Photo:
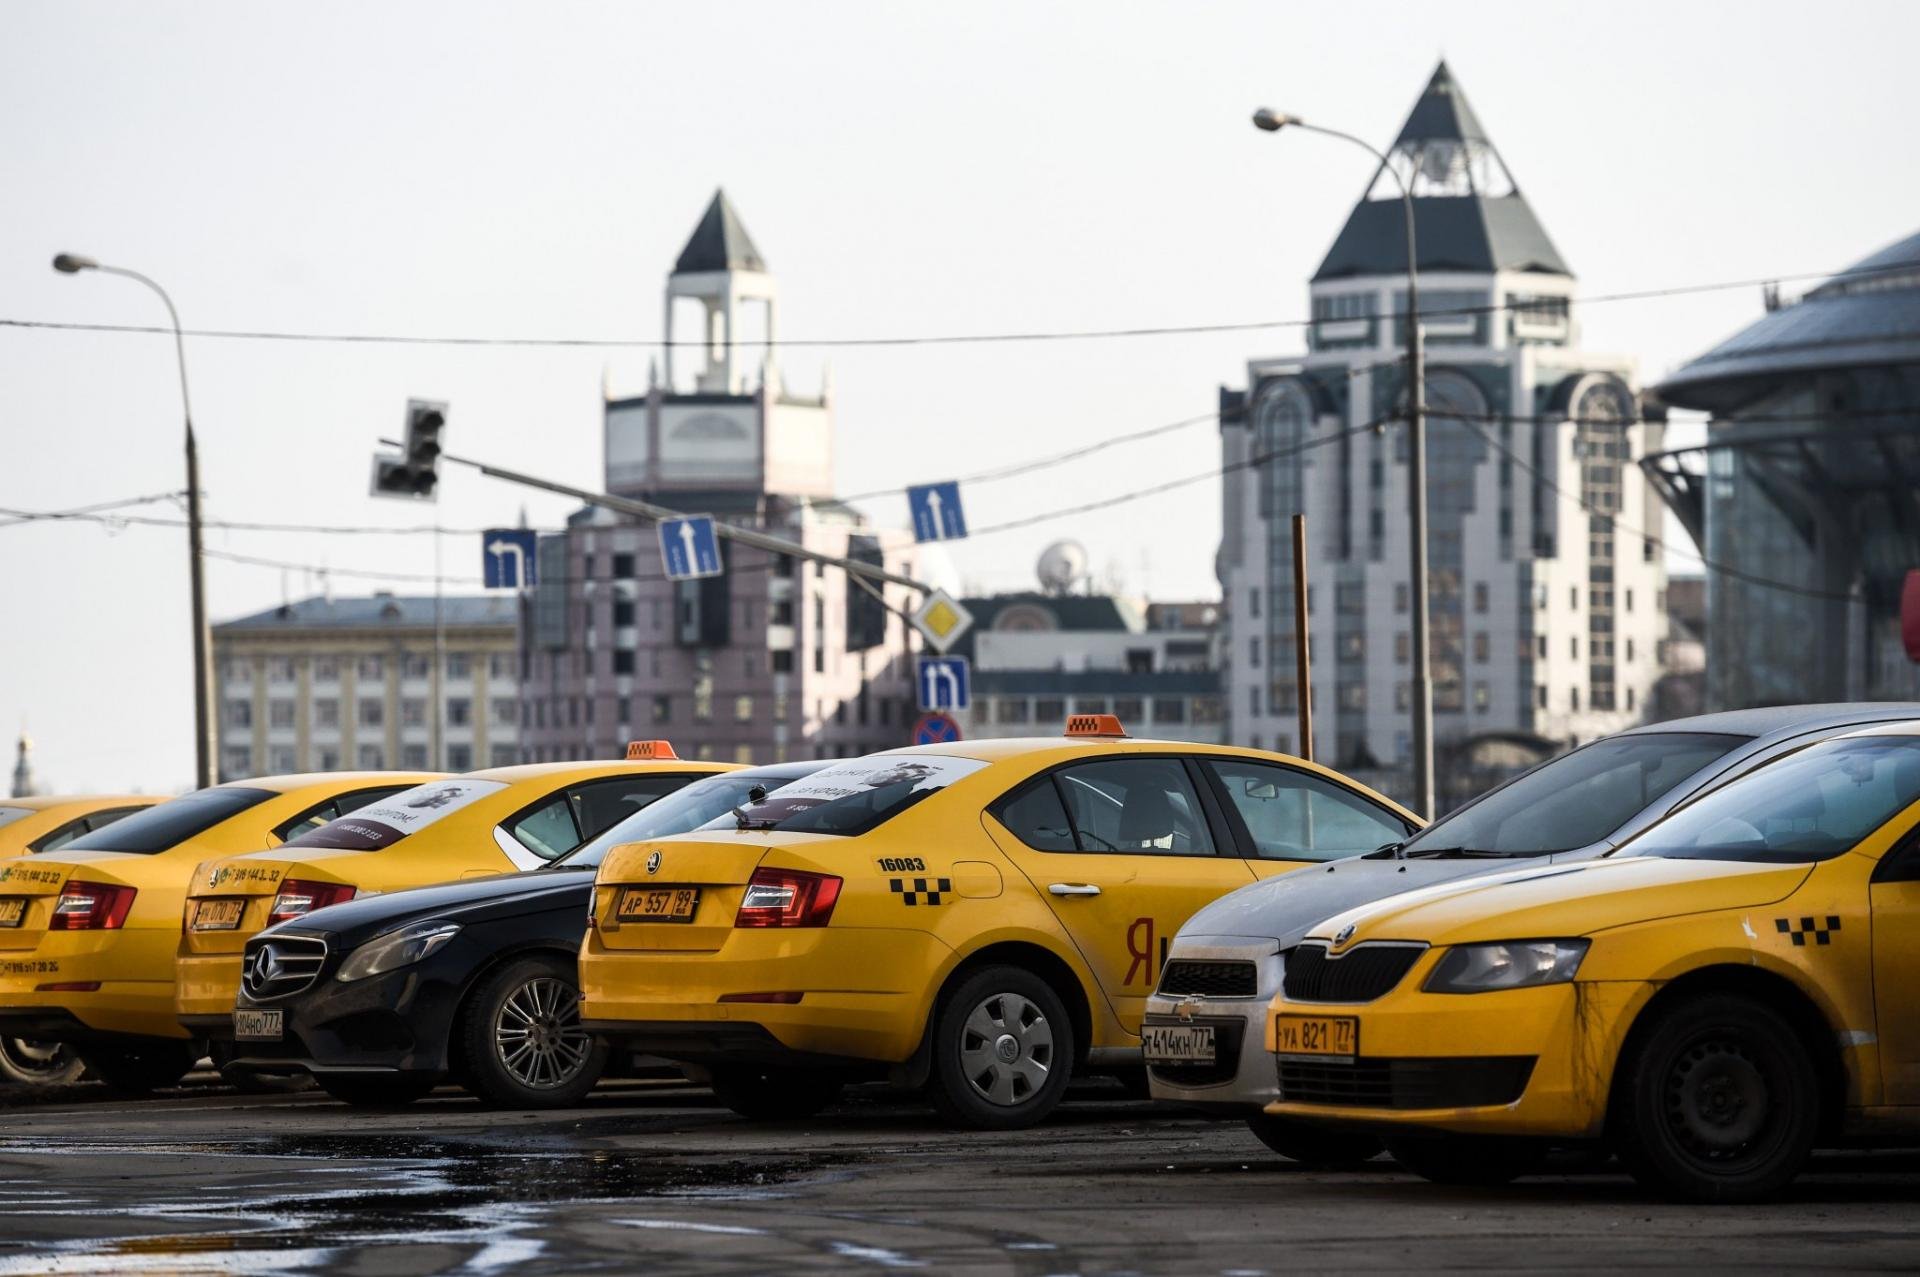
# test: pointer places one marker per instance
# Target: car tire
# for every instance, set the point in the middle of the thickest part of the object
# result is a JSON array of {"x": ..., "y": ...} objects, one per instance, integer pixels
[
  {"x": 1314, "y": 1145},
  {"x": 1473, "y": 1161},
  {"x": 376, "y": 1091},
  {"x": 1718, "y": 1101},
  {"x": 1002, "y": 1051},
  {"x": 519, "y": 1043},
  {"x": 27, "y": 1063},
  {"x": 141, "y": 1070},
  {"x": 773, "y": 1094}
]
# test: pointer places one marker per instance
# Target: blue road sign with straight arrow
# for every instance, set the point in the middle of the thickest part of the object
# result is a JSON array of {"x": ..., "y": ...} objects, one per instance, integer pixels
[
  {"x": 944, "y": 683},
  {"x": 937, "y": 515},
  {"x": 689, "y": 547},
  {"x": 507, "y": 560}
]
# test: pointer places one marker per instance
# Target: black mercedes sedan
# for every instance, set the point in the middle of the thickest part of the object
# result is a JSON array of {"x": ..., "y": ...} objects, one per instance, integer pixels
[{"x": 384, "y": 997}]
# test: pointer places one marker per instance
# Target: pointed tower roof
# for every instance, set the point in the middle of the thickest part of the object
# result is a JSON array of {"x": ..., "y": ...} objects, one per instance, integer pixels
[
  {"x": 1469, "y": 214},
  {"x": 719, "y": 243}
]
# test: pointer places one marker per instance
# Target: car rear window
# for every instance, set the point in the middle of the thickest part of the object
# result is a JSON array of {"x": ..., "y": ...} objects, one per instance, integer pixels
[
  {"x": 154, "y": 829},
  {"x": 1813, "y": 805},
  {"x": 10, "y": 814},
  {"x": 386, "y": 821},
  {"x": 857, "y": 795},
  {"x": 1580, "y": 798},
  {"x": 684, "y": 809}
]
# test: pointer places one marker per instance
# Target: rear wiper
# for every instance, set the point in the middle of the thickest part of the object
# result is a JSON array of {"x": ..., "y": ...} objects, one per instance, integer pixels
[{"x": 743, "y": 821}]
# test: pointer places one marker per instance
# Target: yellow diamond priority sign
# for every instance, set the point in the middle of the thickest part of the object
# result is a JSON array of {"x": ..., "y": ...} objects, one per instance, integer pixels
[{"x": 941, "y": 620}]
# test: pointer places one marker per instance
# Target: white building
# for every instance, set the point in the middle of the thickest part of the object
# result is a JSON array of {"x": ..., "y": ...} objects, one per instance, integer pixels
[{"x": 1547, "y": 615}]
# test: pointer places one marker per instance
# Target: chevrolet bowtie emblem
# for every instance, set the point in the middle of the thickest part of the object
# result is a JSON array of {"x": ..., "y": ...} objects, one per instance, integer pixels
[
  {"x": 1343, "y": 935},
  {"x": 1185, "y": 1008},
  {"x": 653, "y": 863}
]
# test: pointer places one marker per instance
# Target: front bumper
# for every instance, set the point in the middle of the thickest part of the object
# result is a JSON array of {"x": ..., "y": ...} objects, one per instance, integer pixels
[
  {"x": 865, "y": 995},
  {"x": 1242, "y": 1075},
  {"x": 1536, "y": 1062}
]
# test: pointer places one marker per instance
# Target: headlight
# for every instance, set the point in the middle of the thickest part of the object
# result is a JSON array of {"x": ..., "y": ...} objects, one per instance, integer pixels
[
  {"x": 1509, "y": 964},
  {"x": 396, "y": 949}
]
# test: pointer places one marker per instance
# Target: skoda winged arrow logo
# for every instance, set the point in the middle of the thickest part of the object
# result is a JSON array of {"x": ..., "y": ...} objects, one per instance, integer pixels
[
  {"x": 1343, "y": 935},
  {"x": 653, "y": 863}
]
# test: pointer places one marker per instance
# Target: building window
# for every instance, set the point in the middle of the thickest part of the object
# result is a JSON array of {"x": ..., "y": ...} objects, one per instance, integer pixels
[
  {"x": 1012, "y": 709},
  {"x": 459, "y": 758},
  {"x": 1543, "y": 652},
  {"x": 1573, "y": 646},
  {"x": 326, "y": 670},
  {"x": 413, "y": 665},
  {"x": 1482, "y": 647},
  {"x": 743, "y": 709},
  {"x": 1402, "y": 698},
  {"x": 782, "y": 660},
  {"x": 413, "y": 712},
  {"x": 459, "y": 665},
  {"x": 1353, "y": 696},
  {"x": 1480, "y": 596},
  {"x": 371, "y": 667},
  {"x": 239, "y": 762},
  {"x": 500, "y": 665},
  {"x": 1400, "y": 597},
  {"x": 1481, "y": 697},
  {"x": 280, "y": 669},
  {"x": 1253, "y": 602},
  {"x": 1253, "y": 700},
  {"x": 1541, "y": 696},
  {"x": 239, "y": 713},
  {"x": 371, "y": 758},
  {"x": 1208, "y": 709},
  {"x": 623, "y": 660},
  {"x": 1402, "y": 648},
  {"x": 1253, "y": 652},
  {"x": 459, "y": 714},
  {"x": 1573, "y": 699},
  {"x": 280, "y": 713},
  {"x": 413, "y": 757},
  {"x": 1573, "y": 597},
  {"x": 503, "y": 756},
  {"x": 1629, "y": 698},
  {"x": 1629, "y": 657},
  {"x": 1169, "y": 709},
  {"x": 779, "y": 707},
  {"x": 281, "y": 760},
  {"x": 326, "y": 713},
  {"x": 1629, "y": 600},
  {"x": 703, "y": 699},
  {"x": 623, "y": 567},
  {"x": 662, "y": 709},
  {"x": 1129, "y": 709},
  {"x": 372, "y": 712},
  {"x": 505, "y": 710}
]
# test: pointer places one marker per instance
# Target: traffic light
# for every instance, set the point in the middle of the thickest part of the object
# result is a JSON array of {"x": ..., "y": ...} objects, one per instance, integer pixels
[{"x": 415, "y": 473}]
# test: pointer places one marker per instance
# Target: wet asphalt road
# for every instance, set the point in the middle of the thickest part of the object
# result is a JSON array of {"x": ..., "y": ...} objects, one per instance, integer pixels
[{"x": 653, "y": 1177}]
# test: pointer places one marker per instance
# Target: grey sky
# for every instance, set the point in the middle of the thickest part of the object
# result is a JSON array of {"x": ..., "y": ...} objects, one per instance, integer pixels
[{"x": 532, "y": 170}]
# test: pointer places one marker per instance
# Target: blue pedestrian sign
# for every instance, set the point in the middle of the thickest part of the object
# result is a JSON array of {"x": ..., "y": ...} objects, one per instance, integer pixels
[
  {"x": 936, "y": 511},
  {"x": 689, "y": 547},
  {"x": 935, "y": 729},
  {"x": 944, "y": 683},
  {"x": 507, "y": 558}
]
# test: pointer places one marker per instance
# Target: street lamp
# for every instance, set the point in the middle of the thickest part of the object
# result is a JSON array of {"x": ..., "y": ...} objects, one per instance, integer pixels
[
  {"x": 203, "y": 720},
  {"x": 1271, "y": 121}
]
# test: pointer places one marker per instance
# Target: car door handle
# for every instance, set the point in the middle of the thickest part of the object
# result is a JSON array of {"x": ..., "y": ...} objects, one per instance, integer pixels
[{"x": 1074, "y": 889}]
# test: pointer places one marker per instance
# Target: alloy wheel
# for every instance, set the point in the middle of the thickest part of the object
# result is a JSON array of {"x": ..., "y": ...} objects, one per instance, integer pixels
[{"x": 537, "y": 1034}]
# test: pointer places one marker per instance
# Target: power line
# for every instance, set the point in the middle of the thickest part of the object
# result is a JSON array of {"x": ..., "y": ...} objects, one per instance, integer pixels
[
  {"x": 87, "y": 512},
  {"x": 324, "y": 570},
  {"x": 935, "y": 339}
]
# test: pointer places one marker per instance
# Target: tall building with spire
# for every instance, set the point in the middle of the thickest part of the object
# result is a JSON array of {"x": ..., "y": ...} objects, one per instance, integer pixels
[
  {"x": 1546, "y": 609},
  {"x": 774, "y": 659},
  {"x": 24, "y": 785}
]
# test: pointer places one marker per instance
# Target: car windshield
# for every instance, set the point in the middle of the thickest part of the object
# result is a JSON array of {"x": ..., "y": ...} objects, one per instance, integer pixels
[
  {"x": 1813, "y": 805},
  {"x": 714, "y": 798},
  {"x": 854, "y": 796},
  {"x": 1575, "y": 800},
  {"x": 171, "y": 823}
]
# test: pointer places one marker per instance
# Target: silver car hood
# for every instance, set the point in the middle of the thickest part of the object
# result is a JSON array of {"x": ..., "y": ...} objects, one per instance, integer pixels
[{"x": 1287, "y": 906}]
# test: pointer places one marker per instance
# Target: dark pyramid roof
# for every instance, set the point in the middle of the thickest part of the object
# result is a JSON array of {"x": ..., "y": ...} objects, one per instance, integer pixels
[
  {"x": 1477, "y": 231},
  {"x": 720, "y": 242}
]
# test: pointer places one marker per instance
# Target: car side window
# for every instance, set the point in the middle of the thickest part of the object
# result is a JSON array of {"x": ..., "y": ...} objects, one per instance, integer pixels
[
  {"x": 548, "y": 829},
  {"x": 600, "y": 805},
  {"x": 1037, "y": 818},
  {"x": 1135, "y": 805},
  {"x": 1902, "y": 862},
  {"x": 1295, "y": 815}
]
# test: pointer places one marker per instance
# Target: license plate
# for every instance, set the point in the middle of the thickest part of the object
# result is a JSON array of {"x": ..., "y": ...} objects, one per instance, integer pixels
[
  {"x": 12, "y": 911},
  {"x": 218, "y": 915},
  {"x": 659, "y": 904},
  {"x": 1177, "y": 1043},
  {"x": 259, "y": 1026},
  {"x": 1316, "y": 1035}
]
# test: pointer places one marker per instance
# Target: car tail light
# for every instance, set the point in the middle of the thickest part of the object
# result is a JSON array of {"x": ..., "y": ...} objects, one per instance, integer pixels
[
  {"x": 91, "y": 906},
  {"x": 788, "y": 898},
  {"x": 298, "y": 897}
]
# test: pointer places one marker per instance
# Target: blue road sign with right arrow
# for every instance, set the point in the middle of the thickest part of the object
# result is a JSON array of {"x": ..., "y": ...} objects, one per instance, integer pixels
[
  {"x": 937, "y": 515},
  {"x": 689, "y": 547},
  {"x": 507, "y": 559}
]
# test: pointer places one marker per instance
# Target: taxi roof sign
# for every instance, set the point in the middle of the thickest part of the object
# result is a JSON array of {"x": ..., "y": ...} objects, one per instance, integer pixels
[
  {"x": 643, "y": 749},
  {"x": 1095, "y": 725}
]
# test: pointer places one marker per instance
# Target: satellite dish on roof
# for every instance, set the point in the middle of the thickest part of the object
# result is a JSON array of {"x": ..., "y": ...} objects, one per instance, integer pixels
[{"x": 1062, "y": 566}]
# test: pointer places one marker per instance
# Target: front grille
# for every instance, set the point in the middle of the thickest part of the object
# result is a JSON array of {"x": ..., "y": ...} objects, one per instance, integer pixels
[
  {"x": 1365, "y": 973},
  {"x": 1430, "y": 1083},
  {"x": 1185, "y": 976},
  {"x": 1226, "y": 1058},
  {"x": 281, "y": 966}
]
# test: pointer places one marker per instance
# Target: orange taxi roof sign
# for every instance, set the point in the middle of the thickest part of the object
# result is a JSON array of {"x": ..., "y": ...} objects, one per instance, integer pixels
[
  {"x": 644, "y": 749},
  {"x": 1094, "y": 725}
]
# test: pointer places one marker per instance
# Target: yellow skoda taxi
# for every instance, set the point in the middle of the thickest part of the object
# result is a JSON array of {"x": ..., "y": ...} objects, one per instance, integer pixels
[
  {"x": 1727, "y": 991},
  {"x": 470, "y": 826},
  {"x": 48, "y": 823},
  {"x": 88, "y": 932},
  {"x": 981, "y": 919}
]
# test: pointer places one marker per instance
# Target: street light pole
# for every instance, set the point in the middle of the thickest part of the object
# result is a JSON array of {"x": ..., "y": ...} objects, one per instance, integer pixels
[
  {"x": 204, "y": 726},
  {"x": 1423, "y": 800}
]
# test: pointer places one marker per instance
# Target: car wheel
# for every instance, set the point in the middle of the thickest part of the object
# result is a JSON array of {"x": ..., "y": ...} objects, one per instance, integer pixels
[
  {"x": 375, "y": 1091},
  {"x": 139, "y": 1070},
  {"x": 27, "y": 1063},
  {"x": 1477, "y": 1161},
  {"x": 1314, "y": 1145},
  {"x": 520, "y": 1043},
  {"x": 772, "y": 1094},
  {"x": 1718, "y": 1102},
  {"x": 248, "y": 1082},
  {"x": 1002, "y": 1051}
]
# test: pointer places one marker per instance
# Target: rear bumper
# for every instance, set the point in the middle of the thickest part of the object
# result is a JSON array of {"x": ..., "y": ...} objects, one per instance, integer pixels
[
  {"x": 131, "y": 972},
  {"x": 57, "y": 1024},
  {"x": 205, "y": 985}
]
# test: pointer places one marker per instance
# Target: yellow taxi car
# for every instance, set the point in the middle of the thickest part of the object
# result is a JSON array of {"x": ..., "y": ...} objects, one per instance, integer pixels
[
  {"x": 88, "y": 932},
  {"x": 49, "y": 822},
  {"x": 474, "y": 825},
  {"x": 982, "y": 919},
  {"x": 1713, "y": 1000}
]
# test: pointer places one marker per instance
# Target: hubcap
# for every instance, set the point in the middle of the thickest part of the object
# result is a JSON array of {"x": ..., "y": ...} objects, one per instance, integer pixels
[
  {"x": 1006, "y": 1049},
  {"x": 537, "y": 1035},
  {"x": 38, "y": 1059},
  {"x": 1718, "y": 1100}
]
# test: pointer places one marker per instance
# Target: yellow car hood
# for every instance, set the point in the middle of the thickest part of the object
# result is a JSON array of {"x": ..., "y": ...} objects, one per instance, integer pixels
[{"x": 1567, "y": 900}]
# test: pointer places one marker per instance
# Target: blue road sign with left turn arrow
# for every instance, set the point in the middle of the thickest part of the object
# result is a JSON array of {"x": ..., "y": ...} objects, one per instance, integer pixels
[
  {"x": 689, "y": 547},
  {"x": 944, "y": 683},
  {"x": 937, "y": 515},
  {"x": 507, "y": 559}
]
